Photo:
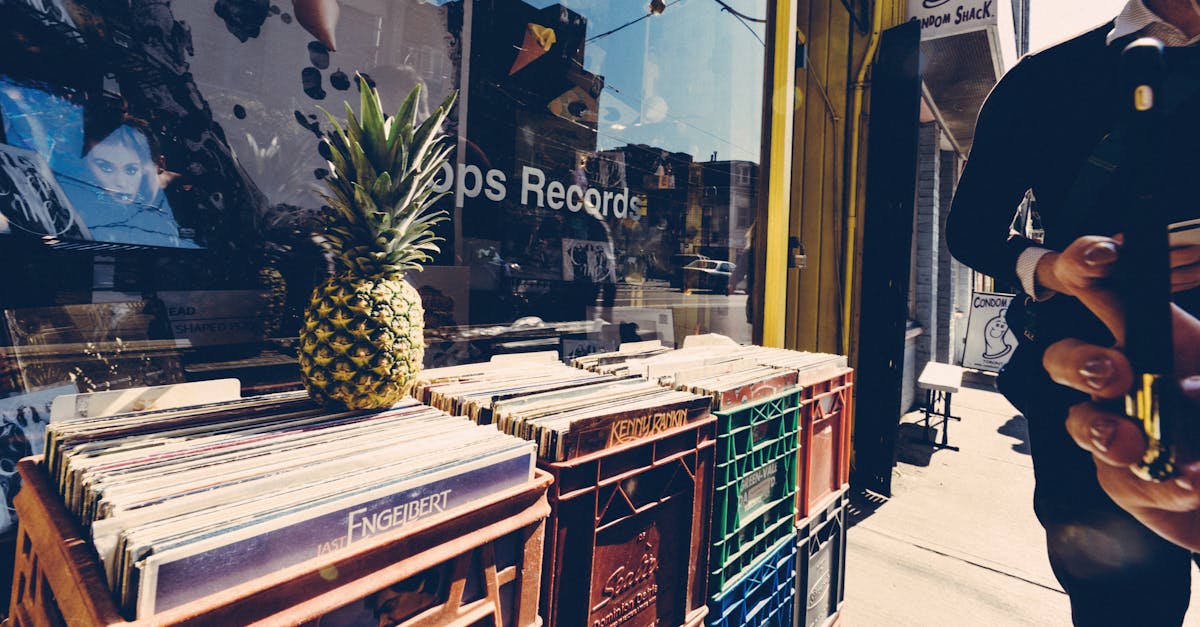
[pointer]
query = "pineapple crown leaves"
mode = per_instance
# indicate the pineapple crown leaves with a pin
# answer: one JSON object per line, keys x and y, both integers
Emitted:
{"x": 381, "y": 187}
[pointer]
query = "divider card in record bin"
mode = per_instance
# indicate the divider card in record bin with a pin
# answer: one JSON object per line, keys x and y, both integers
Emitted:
{"x": 208, "y": 318}
{"x": 626, "y": 538}
{"x": 754, "y": 492}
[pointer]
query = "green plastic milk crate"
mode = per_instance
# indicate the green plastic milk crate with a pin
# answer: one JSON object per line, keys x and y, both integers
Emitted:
{"x": 754, "y": 495}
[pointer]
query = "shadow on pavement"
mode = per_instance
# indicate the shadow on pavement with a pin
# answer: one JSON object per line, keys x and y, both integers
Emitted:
{"x": 1017, "y": 429}
{"x": 863, "y": 503}
{"x": 911, "y": 447}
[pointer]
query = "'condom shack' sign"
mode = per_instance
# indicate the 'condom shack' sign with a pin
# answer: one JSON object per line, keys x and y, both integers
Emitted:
{"x": 989, "y": 340}
{"x": 939, "y": 18}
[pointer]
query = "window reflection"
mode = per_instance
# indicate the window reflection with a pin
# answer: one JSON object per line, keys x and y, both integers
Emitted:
{"x": 604, "y": 186}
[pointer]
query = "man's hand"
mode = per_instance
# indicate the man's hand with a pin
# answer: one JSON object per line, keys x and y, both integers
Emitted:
{"x": 1088, "y": 262}
{"x": 1171, "y": 508}
{"x": 1085, "y": 264}
{"x": 1083, "y": 271}
{"x": 1185, "y": 268}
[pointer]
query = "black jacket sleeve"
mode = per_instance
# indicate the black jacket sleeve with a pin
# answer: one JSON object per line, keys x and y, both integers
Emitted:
{"x": 995, "y": 179}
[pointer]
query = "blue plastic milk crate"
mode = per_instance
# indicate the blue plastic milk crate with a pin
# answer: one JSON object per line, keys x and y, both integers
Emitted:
{"x": 763, "y": 596}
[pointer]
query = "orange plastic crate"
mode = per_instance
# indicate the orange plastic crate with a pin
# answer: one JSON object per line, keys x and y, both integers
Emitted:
{"x": 826, "y": 414}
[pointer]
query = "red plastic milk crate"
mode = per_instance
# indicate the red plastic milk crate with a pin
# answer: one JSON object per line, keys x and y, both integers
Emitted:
{"x": 826, "y": 414}
{"x": 626, "y": 541}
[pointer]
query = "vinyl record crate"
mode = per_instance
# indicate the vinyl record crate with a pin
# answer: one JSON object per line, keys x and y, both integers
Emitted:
{"x": 474, "y": 565}
{"x": 764, "y": 595}
{"x": 821, "y": 564}
{"x": 826, "y": 415}
{"x": 626, "y": 542}
{"x": 754, "y": 485}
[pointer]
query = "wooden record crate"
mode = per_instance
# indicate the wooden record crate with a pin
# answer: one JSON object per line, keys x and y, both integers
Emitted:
{"x": 626, "y": 539}
{"x": 58, "y": 579}
{"x": 826, "y": 414}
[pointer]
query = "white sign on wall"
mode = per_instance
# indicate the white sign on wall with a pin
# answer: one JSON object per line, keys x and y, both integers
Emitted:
{"x": 939, "y": 18}
{"x": 990, "y": 342}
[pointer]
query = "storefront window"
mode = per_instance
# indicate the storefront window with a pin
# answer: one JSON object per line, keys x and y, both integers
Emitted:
{"x": 159, "y": 176}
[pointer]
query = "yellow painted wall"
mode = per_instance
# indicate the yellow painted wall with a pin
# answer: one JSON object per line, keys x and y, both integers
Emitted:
{"x": 822, "y": 122}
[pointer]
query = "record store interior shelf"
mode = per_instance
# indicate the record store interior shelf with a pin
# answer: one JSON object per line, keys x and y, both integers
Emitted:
{"x": 58, "y": 575}
{"x": 628, "y": 532}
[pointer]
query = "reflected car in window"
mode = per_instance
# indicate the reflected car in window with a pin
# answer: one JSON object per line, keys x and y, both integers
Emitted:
{"x": 709, "y": 274}
{"x": 678, "y": 262}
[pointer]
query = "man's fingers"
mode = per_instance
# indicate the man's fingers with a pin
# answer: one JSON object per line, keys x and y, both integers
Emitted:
{"x": 1101, "y": 372}
{"x": 1182, "y": 528}
{"x": 1082, "y": 271}
{"x": 1105, "y": 304}
{"x": 1087, "y": 258}
{"x": 1132, "y": 493}
{"x": 1183, "y": 287}
{"x": 1113, "y": 439}
{"x": 1184, "y": 256}
{"x": 1092, "y": 256}
{"x": 1185, "y": 274}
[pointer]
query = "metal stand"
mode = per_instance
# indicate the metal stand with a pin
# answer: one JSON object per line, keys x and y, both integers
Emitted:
{"x": 937, "y": 407}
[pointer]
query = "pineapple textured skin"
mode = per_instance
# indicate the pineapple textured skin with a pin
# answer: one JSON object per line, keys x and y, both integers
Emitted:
{"x": 363, "y": 337}
{"x": 362, "y": 343}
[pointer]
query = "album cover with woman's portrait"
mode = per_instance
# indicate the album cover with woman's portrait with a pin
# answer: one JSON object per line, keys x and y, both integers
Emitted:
{"x": 31, "y": 200}
{"x": 110, "y": 169}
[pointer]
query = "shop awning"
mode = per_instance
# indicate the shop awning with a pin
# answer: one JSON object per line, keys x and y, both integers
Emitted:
{"x": 962, "y": 59}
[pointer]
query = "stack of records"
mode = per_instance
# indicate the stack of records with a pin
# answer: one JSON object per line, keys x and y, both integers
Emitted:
{"x": 473, "y": 389}
{"x": 715, "y": 366}
{"x": 810, "y": 367}
{"x": 736, "y": 383}
{"x": 617, "y": 362}
{"x": 567, "y": 412}
{"x": 183, "y": 503}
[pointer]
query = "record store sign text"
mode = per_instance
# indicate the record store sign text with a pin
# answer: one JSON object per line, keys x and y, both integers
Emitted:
{"x": 939, "y": 18}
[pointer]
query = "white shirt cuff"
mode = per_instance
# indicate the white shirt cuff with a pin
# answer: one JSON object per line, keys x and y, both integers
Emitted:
{"x": 1027, "y": 272}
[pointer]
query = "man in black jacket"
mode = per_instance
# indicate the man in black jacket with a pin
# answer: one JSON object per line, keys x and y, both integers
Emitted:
{"x": 1047, "y": 127}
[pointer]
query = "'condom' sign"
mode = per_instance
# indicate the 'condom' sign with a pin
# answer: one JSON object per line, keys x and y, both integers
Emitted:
{"x": 939, "y": 18}
{"x": 989, "y": 340}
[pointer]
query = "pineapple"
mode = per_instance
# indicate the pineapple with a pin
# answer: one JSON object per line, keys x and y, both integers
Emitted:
{"x": 363, "y": 342}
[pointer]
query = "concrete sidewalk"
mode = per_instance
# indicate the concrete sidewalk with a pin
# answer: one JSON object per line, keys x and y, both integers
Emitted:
{"x": 957, "y": 544}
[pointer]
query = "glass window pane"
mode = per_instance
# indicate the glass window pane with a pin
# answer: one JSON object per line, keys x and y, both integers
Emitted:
{"x": 162, "y": 158}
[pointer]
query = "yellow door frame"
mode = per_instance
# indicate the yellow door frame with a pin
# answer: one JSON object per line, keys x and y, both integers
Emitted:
{"x": 782, "y": 100}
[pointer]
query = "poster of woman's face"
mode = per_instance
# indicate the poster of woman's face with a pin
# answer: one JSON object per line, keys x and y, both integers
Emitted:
{"x": 31, "y": 200}
{"x": 114, "y": 179}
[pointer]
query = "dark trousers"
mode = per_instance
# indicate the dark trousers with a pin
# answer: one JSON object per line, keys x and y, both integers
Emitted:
{"x": 1115, "y": 570}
